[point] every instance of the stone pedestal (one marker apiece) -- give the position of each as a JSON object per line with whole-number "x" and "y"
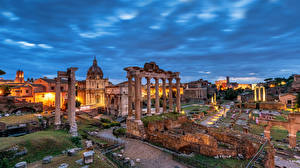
{"x": 135, "y": 129}
{"x": 292, "y": 140}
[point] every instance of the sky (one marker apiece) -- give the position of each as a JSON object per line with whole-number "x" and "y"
{"x": 248, "y": 40}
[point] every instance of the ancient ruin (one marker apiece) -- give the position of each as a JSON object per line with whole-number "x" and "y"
{"x": 70, "y": 75}
{"x": 149, "y": 71}
{"x": 292, "y": 125}
{"x": 259, "y": 93}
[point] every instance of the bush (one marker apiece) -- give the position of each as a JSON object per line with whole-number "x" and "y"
{"x": 119, "y": 132}
{"x": 76, "y": 141}
{"x": 104, "y": 120}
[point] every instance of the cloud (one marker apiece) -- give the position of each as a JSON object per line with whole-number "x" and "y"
{"x": 204, "y": 72}
{"x": 127, "y": 15}
{"x": 11, "y": 16}
{"x": 46, "y": 46}
{"x": 226, "y": 38}
{"x": 26, "y": 45}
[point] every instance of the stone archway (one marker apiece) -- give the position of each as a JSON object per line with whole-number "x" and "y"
{"x": 292, "y": 126}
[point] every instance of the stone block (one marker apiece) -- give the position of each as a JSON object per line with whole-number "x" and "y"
{"x": 63, "y": 165}
{"x": 47, "y": 159}
{"x": 88, "y": 157}
{"x": 21, "y": 165}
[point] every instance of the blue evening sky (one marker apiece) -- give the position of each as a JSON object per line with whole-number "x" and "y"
{"x": 248, "y": 40}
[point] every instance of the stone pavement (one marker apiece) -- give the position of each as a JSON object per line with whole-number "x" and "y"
{"x": 150, "y": 157}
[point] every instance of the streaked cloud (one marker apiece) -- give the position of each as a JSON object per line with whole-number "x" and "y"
{"x": 243, "y": 39}
{"x": 9, "y": 15}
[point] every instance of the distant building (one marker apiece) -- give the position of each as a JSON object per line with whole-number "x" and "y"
{"x": 288, "y": 99}
{"x": 92, "y": 90}
{"x": 296, "y": 83}
{"x": 226, "y": 84}
{"x": 196, "y": 91}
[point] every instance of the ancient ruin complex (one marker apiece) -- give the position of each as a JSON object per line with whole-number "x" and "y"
{"x": 149, "y": 71}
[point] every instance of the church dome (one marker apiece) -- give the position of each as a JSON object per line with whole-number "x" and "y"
{"x": 94, "y": 71}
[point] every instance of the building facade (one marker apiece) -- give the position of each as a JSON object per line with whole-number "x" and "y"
{"x": 91, "y": 92}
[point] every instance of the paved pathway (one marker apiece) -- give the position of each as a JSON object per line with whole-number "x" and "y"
{"x": 209, "y": 121}
{"x": 150, "y": 157}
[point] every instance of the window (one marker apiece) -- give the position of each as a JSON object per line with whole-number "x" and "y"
{"x": 61, "y": 88}
{"x": 289, "y": 102}
{"x": 27, "y": 91}
{"x": 52, "y": 87}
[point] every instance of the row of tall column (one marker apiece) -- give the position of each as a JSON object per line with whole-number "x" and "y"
{"x": 138, "y": 96}
{"x": 70, "y": 75}
{"x": 261, "y": 95}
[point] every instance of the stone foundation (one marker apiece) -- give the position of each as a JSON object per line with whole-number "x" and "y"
{"x": 135, "y": 129}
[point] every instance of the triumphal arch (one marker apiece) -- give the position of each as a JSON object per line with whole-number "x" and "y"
{"x": 70, "y": 75}
{"x": 149, "y": 71}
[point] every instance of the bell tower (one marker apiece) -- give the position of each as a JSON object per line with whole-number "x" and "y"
{"x": 19, "y": 77}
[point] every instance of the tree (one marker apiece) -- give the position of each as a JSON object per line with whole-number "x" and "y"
{"x": 2, "y": 72}
{"x": 298, "y": 100}
{"x": 230, "y": 94}
{"x": 5, "y": 90}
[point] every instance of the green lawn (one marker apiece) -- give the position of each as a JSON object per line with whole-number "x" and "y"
{"x": 210, "y": 162}
{"x": 11, "y": 120}
{"x": 38, "y": 144}
{"x": 160, "y": 117}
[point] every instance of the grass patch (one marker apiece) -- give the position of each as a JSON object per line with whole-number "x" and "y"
{"x": 11, "y": 120}
{"x": 280, "y": 118}
{"x": 98, "y": 162}
{"x": 154, "y": 118}
{"x": 210, "y": 162}
{"x": 38, "y": 144}
{"x": 278, "y": 133}
{"x": 256, "y": 129}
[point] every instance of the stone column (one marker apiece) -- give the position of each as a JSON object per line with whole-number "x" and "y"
{"x": 178, "y": 105}
{"x": 57, "y": 103}
{"x": 255, "y": 94}
{"x": 170, "y": 95}
{"x": 156, "y": 95}
{"x": 164, "y": 95}
{"x": 130, "y": 97}
{"x": 264, "y": 94}
{"x": 148, "y": 96}
{"x": 259, "y": 93}
{"x": 137, "y": 98}
{"x": 292, "y": 138}
{"x": 71, "y": 101}
{"x": 267, "y": 132}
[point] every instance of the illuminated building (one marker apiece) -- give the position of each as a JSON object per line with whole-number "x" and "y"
{"x": 92, "y": 90}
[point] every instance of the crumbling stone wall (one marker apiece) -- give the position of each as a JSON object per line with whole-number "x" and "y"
{"x": 184, "y": 136}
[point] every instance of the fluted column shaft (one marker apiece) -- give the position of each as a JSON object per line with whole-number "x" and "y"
{"x": 178, "y": 105}
{"x": 72, "y": 99}
{"x": 137, "y": 98}
{"x": 164, "y": 96}
{"x": 148, "y": 96}
{"x": 130, "y": 97}
{"x": 156, "y": 95}
{"x": 170, "y": 95}
{"x": 57, "y": 102}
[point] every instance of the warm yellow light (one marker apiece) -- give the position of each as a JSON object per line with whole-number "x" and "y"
{"x": 214, "y": 119}
{"x": 182, "y": 112}
{"x": 49, "y": 96}
{"x": 209, "y": 123}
